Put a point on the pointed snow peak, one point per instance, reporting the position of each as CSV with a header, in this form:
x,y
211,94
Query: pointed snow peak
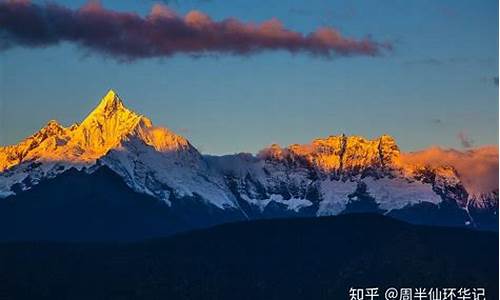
x,y
109,126
111,93
110,103
111,97
106,125
110,107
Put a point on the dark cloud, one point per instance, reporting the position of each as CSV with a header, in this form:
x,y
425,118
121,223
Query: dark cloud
x,y
432,61
163,33
490,80
437,121
425,61
465,139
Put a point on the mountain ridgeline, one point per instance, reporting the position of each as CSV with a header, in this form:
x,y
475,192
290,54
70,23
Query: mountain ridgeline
x,y
117,176
295,258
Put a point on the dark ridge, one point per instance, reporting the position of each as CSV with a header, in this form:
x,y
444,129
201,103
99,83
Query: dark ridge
x,y
77,206
301,258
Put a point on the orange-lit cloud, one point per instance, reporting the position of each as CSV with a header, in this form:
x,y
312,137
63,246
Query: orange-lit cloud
x,y
478,168
163,33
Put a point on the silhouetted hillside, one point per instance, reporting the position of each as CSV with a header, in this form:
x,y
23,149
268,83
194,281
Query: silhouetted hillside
x,y
77,206
313,258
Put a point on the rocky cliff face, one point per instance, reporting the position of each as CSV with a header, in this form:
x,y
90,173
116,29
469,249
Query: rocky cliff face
x,y
340,156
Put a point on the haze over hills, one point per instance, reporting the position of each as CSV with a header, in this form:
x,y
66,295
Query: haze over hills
x,y
329,176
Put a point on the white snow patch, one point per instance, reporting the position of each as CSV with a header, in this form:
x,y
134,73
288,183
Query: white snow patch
x,y
396,193
334,194
294,204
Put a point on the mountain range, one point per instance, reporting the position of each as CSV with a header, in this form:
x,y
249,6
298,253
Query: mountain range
x,y
116,172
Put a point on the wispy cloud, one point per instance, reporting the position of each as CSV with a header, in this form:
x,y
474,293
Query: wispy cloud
x,y
437,121
425,61
490,80
465,140
162,33
433,61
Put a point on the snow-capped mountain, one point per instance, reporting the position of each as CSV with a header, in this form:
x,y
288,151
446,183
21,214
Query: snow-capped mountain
x,y
329,176
151,160
326,177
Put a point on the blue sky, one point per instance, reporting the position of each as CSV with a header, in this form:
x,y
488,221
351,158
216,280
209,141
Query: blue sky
x,y
437,82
